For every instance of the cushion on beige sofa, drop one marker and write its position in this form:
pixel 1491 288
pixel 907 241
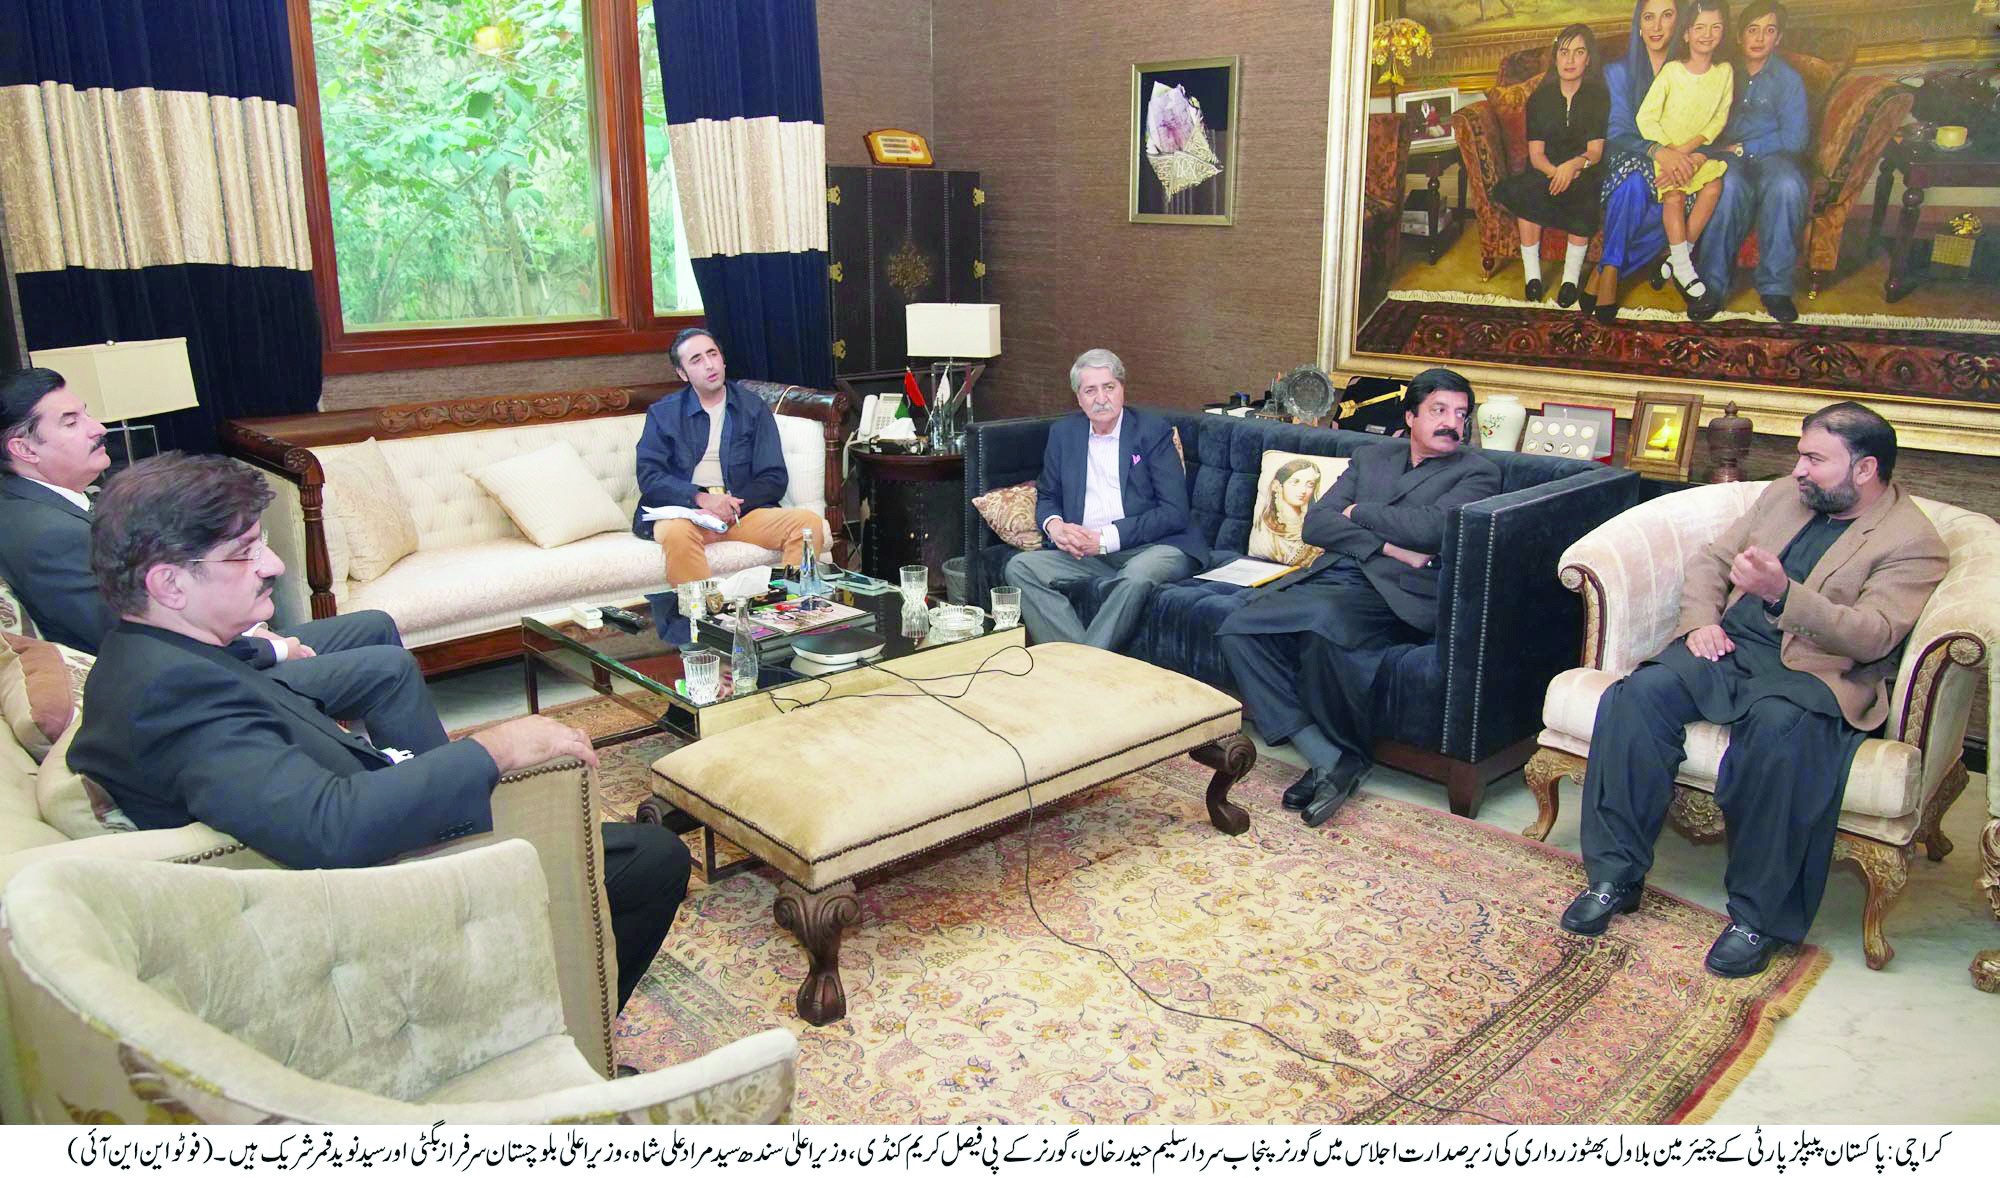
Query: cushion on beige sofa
pixel 362 493
pixel 551 495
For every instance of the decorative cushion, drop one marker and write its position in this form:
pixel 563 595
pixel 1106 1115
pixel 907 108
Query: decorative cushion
pixel 551 495
pixel 1010 512
pixel 371 508
pixel 73 803
pixel 1274 524
pixel 34 692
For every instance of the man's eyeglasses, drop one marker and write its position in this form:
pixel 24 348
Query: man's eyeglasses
pixel 256 551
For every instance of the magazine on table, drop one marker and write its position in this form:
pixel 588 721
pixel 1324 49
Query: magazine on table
pixel 789 617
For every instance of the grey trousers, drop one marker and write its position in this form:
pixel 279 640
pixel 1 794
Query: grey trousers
pixel 1133 572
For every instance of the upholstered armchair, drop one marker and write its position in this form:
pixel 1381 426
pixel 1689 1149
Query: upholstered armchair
pixel 1852 121
pixel 1629 573
pixel 415 993
pixel 49 813
pixel 1382 203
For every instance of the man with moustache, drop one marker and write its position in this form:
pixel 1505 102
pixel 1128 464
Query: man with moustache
pixel 177 729
pixel 1375 588
pixel 1791 627
pixel 52 450
pixel 1113 500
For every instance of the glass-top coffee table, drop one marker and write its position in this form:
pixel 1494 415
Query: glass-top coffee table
pixel 641 670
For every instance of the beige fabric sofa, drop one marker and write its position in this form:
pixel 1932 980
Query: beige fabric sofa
pixel 46 815
pixel 1629 572
pixel 416 993
pixel 459 597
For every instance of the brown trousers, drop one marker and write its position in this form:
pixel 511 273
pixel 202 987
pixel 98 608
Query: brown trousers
pixel 686 542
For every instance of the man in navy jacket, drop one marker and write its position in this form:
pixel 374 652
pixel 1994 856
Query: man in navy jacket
pixel 1113 501
pixel 713 447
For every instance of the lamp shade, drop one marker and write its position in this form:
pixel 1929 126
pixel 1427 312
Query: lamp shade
pixel 953 330
pixel 121 381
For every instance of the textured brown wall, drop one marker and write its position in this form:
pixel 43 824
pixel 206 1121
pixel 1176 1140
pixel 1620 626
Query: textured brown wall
pixel 875 71
pixel 1036 95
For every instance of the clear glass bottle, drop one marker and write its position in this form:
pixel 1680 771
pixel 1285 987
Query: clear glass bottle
pixel 811 586
pixel 743 664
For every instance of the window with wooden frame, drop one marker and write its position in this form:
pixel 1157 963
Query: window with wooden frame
pixel 487 180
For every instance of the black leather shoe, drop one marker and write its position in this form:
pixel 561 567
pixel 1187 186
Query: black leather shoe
pixel 1591 912
pixel 1534 290
pixel 1740 952
pixel 1566 295
pixel 679 821
pixel 1607 313
pixel 1781 307
pixel 1702 308
pixel 1338 785
pixel 1586 302
pixel 1301 791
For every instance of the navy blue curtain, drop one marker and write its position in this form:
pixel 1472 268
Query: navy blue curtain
pixel 252 331
pixel 727 60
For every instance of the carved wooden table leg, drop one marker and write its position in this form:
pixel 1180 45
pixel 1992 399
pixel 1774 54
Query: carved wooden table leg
pixel 1230 757
pixel 1986 970
pixel 816 919
pixel 1543 771
pixel 1986 966
pixel 1886 869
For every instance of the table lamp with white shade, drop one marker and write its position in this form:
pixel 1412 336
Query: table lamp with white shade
pixel 120 381
pixel 954 331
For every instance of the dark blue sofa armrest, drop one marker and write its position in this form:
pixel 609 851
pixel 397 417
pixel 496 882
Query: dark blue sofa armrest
pixel 1506 626
pixel 997 454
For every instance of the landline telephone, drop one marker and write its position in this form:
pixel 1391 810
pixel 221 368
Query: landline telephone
pixel 879 420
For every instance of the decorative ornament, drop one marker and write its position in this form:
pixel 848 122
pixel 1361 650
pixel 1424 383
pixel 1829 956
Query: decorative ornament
pixel 1729 438
pixel 833 194
pixel 978 197
pixel 1177 144
pixel 1393 45
pixel 909 270
pixel 978 268
pixel 833 271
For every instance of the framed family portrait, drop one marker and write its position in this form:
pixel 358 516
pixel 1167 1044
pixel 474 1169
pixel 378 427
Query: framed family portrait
pixel 1427 115
pixel 1662 439
pixel 1183 142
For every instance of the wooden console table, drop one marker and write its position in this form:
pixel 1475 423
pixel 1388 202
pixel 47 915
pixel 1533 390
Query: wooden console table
pixel 1924 166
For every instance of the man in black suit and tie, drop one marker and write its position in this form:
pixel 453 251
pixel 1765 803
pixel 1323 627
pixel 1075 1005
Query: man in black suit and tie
pixel 51 451
pixel 177 729
pixel 1113 500
pixel 1375 587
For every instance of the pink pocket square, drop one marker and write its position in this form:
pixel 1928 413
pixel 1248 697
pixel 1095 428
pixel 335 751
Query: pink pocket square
pixel 1135 460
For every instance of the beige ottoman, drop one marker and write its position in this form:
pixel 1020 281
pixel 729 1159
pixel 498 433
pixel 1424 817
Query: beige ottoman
pixel 888 768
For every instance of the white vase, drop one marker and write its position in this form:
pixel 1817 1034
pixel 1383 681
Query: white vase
pixel 1501 419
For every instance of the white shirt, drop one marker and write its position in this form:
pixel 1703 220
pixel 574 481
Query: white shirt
pixel 278 647
pixel 1103 486
pixel 708 472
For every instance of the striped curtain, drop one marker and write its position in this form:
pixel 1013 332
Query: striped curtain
pixel 749 147
pixel 154 188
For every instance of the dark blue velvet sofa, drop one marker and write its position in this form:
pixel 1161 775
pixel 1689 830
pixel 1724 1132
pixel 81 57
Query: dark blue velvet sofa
pixel 1462 710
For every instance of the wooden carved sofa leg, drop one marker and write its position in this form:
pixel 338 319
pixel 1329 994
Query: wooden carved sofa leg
pixel 1986 965
pixel 816 919
pixel 1929 832
pixel 1230 757
pixel 1885 869
pixel 1544 770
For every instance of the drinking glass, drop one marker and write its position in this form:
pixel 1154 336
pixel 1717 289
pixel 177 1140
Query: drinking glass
pixel 916 620
pixel 1006 607
pixel 916 582
pixel 703 671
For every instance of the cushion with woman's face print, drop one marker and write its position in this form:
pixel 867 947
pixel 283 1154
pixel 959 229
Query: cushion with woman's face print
pixel 1295 481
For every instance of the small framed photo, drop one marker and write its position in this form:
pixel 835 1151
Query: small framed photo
pixel 1427 115
pixel 1183 142
pixel 1571 431
pixel 1662 439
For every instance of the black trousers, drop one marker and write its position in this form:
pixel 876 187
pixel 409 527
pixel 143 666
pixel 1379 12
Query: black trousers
pixel 362 673
pixel 1779 788
pixel 645 879
pixel 1310 653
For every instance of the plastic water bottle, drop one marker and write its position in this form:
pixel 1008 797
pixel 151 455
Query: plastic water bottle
pixel 743 666
pixel 811 586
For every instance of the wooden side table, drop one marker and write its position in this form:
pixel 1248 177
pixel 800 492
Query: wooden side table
pixel 1924 166
pixel 1431 163
pixel 916 506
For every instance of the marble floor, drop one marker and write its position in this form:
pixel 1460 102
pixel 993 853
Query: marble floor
pixel 1913 1043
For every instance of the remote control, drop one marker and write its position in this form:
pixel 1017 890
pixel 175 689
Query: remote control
pixel 624 619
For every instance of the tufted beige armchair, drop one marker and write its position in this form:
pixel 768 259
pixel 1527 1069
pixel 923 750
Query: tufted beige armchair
pixel 414 993
pixel 1629 572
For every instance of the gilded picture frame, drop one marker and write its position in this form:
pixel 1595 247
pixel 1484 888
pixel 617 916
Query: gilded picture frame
pixel 1956 407
pixel 1661 442
pixel 1182 150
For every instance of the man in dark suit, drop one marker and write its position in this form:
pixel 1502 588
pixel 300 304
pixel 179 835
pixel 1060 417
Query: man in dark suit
pixel 1791 628
pixel 178 730
pixel 1113 500
pixel 1381 525
pixel 52 451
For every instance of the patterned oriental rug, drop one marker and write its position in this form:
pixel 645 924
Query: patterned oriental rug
pixel 1950 365
pixel 1400 939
